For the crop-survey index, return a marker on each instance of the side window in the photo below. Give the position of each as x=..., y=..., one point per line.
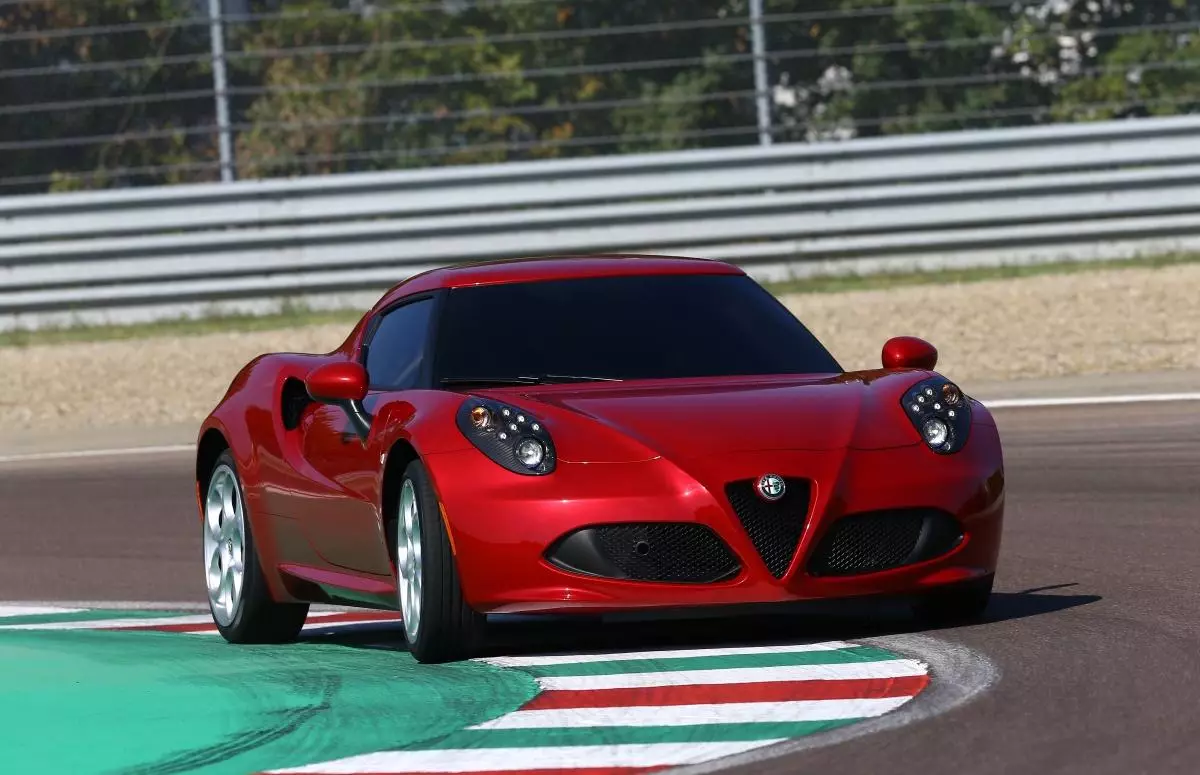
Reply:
x=396, y=351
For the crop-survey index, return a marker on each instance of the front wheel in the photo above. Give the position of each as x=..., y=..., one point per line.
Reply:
x=238, y=598
x=438, y=623
x=955, y=604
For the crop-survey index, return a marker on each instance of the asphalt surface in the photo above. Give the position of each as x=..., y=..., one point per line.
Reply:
x=1095, y=626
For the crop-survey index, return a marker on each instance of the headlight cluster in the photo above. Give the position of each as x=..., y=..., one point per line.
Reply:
x=511, y=437
x=940, y=412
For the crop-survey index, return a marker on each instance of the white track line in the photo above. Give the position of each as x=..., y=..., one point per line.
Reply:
x=113, y=605
x=32, y=457
x=628, y=656
x=1002, y=403
x=696, y=715
x=1032, y=403
x=533, y=758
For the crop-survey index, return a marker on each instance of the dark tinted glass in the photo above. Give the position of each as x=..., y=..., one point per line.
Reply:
x=625, y=327
x=397, y=349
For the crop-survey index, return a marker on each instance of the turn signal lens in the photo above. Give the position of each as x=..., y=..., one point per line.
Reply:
x=951, y=394
x=481, y=417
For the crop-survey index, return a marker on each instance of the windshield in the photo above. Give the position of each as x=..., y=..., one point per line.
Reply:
x=643, y=327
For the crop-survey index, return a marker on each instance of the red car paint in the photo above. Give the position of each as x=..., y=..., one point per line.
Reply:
x=643, y=449
x=908, y=351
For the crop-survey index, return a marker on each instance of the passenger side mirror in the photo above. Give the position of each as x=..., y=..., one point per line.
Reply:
x=342, y=384
x=909, y=352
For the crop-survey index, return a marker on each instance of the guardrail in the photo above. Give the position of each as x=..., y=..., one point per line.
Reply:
x=1081, y=191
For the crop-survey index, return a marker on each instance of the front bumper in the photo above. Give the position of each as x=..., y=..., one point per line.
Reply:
x=501, y=524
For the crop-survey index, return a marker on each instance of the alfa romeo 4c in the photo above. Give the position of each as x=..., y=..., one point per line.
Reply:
x=590, y=435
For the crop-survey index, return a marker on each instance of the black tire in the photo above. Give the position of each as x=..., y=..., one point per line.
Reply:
x=257, y=617
x=448, y=629
x=955, y=604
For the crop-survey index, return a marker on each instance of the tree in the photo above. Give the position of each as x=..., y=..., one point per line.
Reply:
x=60, y=102
x=872, y=68
x=400, y=84
x=386, y=86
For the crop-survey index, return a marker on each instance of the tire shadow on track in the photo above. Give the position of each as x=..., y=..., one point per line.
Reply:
x=818, y=621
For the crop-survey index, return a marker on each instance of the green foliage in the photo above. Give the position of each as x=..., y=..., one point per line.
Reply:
x=1144, y=74
x=322, y=86
x=377, y=114
x=38, y=67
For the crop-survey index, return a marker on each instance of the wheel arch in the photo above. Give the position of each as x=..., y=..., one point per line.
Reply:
x=208, y=449
x=399, y=455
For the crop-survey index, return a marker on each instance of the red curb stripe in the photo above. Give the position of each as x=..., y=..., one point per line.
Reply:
x=784, y=691
x=318, y=622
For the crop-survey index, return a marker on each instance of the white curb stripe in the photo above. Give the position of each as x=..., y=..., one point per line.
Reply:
x=691, y=715
x=8, y=611
x=132, y=622
x=311, y=627
x=106, y=624
x=1033, y=403
x=627, y=656
x=885, y=668
x=534, y=758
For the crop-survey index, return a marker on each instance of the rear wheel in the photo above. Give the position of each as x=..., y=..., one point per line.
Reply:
x=955, y=604
x=238, y=598
x=438, y=623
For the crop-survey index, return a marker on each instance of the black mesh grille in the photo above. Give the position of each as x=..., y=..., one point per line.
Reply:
x=774, y=528
x=879, y=540
x=647, y=551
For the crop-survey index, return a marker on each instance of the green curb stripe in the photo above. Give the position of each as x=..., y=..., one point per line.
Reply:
x=778, y=659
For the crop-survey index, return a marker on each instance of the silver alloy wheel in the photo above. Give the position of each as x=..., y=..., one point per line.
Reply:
x=408, y=560
x=224, y=544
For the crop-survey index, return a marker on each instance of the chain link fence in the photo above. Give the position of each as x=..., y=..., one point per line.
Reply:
x=118, y=93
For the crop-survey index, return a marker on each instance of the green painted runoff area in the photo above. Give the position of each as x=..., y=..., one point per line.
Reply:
x=87, y=701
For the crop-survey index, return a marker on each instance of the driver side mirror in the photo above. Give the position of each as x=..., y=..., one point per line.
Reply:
x=343, y=384
x=909, y=352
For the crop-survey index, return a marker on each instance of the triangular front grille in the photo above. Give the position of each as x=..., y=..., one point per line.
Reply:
x=774, y=528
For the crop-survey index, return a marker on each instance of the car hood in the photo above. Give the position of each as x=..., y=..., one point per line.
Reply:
x=680, y=419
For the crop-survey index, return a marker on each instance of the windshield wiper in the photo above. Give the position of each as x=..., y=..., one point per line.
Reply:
x=525, y=379
x=574, y=378
x=490, y=380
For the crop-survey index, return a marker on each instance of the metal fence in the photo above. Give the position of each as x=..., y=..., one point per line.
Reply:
x=1081, y=191
x=120, y=93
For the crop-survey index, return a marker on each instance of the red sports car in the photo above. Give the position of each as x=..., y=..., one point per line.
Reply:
x=589, y=434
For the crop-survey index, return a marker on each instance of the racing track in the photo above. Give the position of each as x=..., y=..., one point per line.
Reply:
x=1095, y=628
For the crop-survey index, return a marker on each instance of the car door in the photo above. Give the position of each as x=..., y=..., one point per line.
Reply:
x=346, y=528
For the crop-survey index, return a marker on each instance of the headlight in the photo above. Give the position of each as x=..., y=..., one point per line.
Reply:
x=940, y=412
x=511, y=437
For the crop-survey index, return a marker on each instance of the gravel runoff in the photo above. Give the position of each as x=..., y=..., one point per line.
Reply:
x=1128, y=320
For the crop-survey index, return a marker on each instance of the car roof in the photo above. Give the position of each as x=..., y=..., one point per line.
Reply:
x=522, y=270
